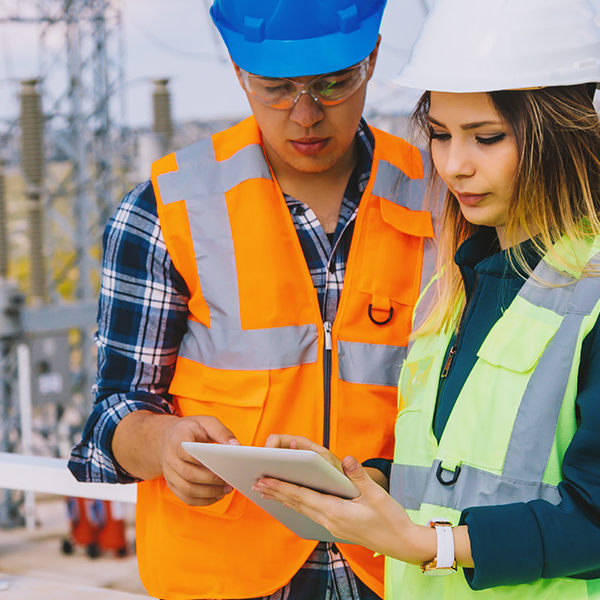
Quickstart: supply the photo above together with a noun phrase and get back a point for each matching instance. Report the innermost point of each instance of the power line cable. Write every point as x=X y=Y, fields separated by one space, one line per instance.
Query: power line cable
x=177 y=51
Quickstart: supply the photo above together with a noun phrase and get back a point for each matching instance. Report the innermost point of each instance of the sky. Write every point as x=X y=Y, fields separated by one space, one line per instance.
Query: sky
x=177 y=40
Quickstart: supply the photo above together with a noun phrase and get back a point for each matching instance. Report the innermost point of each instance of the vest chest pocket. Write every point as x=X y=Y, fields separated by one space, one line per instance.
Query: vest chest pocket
x=398 y=249
x=507 y=347
x=237 y=399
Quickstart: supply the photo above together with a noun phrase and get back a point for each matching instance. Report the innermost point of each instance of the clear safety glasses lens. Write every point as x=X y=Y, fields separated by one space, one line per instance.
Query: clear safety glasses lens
x=328 y=89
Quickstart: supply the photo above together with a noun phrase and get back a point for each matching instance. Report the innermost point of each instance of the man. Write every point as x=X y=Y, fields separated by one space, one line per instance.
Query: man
x=222 y=315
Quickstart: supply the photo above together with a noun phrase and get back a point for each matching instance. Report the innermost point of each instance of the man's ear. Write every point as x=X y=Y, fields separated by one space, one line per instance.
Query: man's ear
x=373 y=58
x=238 y=74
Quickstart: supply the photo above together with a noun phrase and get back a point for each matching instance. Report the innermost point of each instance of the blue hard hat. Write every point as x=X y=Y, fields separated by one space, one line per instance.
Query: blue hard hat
x=293 y=38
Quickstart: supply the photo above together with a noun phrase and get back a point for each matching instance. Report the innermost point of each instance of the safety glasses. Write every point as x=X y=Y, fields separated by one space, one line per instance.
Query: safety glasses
x=328 y=89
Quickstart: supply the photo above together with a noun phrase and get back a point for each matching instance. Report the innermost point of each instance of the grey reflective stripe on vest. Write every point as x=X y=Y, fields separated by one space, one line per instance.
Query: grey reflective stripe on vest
x=373 y=364
x=532 y=437
x=393 y=184
x=252 y=349
x=411 y=486
x=202 y=182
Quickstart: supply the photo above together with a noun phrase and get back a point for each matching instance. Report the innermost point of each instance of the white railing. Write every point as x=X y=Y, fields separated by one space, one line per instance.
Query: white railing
x=51 y=476
x=45 y=474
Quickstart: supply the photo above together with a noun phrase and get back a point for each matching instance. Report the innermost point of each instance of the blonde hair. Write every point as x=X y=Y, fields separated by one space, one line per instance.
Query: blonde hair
x=556 y=191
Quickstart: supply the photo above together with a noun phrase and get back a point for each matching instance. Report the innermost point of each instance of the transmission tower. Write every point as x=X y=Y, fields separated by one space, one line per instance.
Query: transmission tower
x=80 y=88
x=81 y=114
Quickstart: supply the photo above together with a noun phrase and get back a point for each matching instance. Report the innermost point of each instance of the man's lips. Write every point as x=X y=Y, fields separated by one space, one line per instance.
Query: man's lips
x=309 y=145
x=469 y=199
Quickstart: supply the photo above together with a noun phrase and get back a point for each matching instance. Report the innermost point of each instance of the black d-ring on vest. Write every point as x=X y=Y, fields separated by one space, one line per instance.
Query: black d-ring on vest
x=380 y=322
x=449 y=481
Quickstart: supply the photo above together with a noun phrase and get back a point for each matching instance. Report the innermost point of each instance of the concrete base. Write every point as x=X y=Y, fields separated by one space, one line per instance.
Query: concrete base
x=33 y=567
x=20 y=587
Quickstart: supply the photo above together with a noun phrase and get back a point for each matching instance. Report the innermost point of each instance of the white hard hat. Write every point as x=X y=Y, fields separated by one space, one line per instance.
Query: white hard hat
x=487 y=45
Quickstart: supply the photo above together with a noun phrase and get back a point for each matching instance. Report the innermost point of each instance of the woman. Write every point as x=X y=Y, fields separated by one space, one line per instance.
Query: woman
x=497 y=460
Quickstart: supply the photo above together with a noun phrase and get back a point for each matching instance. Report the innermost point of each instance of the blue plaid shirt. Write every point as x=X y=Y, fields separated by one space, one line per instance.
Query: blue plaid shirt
x=142 y=312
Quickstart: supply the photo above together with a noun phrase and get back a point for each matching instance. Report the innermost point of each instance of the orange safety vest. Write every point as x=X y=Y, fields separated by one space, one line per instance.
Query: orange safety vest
x=254 y=355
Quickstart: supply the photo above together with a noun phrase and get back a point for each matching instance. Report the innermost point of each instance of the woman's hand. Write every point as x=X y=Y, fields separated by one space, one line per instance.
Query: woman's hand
x=373 y=519
x=297 y=442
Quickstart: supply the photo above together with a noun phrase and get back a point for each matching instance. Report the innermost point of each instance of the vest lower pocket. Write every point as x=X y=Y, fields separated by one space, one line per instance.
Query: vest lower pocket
x=237 y=399
x=230 y=507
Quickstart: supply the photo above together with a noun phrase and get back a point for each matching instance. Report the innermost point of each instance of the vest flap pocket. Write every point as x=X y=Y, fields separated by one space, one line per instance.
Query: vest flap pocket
x=504 y=345
x=410 y=222
x=236 y=398
x=222 y=386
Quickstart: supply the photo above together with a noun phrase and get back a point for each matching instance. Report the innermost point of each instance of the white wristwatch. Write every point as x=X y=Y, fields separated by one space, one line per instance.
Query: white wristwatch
x=444 y=562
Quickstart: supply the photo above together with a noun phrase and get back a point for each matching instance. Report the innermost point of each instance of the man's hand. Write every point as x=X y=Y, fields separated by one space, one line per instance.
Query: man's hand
x=148 y=445
x=188 y=479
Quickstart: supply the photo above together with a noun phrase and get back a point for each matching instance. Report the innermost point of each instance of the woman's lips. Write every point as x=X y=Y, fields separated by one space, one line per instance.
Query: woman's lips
x=308 y=146
x=470 y=199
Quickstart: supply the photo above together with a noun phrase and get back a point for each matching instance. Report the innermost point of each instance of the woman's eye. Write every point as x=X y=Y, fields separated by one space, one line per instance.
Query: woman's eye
x=494 y=139
x=436 y=135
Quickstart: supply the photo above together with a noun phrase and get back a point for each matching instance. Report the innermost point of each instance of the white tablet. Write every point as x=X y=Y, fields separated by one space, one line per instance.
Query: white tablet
x=242 y=466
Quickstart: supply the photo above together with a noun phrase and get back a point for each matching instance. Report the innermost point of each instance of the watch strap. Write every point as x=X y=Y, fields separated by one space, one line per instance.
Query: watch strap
x=444 y=561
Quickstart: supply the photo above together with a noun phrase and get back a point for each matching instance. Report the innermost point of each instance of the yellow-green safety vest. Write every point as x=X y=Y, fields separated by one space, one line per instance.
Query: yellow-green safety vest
x=507 y=434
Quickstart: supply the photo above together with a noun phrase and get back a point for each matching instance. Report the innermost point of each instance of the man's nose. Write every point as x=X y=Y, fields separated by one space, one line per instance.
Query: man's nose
x=307 y=111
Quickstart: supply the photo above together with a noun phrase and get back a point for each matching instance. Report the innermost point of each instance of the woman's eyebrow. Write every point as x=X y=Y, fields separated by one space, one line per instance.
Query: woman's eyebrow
x=466 y=126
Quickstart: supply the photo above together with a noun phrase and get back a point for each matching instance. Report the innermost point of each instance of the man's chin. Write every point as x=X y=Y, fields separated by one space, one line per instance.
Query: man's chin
x=311 y=165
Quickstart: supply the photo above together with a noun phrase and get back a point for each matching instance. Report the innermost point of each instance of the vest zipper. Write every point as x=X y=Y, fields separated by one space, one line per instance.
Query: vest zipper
x=457 y=340
x=448 y=362
x=327 y=382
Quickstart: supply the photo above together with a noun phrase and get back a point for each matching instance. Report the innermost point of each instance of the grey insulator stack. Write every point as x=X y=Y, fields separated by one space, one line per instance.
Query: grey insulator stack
x=3 y=226
x=33 y=169
x=163 y=124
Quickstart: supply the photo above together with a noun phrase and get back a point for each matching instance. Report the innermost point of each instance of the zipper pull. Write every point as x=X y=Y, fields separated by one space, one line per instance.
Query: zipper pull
x=448 y=362
x=328 y=341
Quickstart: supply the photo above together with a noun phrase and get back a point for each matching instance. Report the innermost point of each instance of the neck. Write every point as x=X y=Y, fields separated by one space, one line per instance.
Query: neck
x=505 y=243
x=321 y=191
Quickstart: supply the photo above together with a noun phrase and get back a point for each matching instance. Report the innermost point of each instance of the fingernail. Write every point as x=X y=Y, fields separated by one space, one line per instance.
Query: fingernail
x=234 y=442
x=227 y=489
x=350 y=464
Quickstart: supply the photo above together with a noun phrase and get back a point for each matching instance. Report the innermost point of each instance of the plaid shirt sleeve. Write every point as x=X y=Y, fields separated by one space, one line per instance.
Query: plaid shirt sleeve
x=142 y=316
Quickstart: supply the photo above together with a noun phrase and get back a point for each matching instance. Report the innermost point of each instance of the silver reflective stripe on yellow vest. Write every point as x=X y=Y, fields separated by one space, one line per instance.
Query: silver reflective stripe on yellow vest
x=202 y=182
x=534 y=427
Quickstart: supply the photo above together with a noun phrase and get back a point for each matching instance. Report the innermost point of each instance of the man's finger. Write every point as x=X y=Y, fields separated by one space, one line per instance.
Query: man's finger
x=212 y=430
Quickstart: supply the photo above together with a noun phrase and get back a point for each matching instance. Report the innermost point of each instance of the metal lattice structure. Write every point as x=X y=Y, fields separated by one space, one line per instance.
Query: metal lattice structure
x=72 y=186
